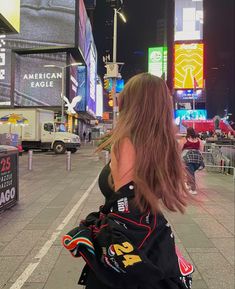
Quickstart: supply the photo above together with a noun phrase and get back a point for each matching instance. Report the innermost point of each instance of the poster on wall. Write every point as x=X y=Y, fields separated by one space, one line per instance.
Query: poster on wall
x=188 y=20
x=189 y=61
x=38 y=79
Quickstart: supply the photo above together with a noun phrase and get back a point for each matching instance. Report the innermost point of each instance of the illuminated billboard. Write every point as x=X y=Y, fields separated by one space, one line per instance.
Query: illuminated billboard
x=188 y=20
x=35 y=84
x=157 y=61
x=10 y=14
x=45 y=23
x=188 y=114
x=189 y=66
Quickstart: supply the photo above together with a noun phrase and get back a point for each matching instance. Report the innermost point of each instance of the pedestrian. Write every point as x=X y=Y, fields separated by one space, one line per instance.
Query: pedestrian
x=192 y=156
x=89 y=136
x=128 y=243
x=84 y=135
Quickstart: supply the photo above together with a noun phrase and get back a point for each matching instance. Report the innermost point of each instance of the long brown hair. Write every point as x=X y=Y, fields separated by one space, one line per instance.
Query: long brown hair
x=146 y=118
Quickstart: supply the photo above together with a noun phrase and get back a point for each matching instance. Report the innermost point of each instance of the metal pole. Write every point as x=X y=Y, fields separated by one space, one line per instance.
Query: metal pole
x=62 y=95
x=68 y=161
x=30 y=160
x=114 y=103
x=115 y=36
x=193 y=108
x=106 y=157
x=114 y=62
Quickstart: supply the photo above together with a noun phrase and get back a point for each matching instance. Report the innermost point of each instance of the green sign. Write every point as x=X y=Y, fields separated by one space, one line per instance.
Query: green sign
x=157 y=61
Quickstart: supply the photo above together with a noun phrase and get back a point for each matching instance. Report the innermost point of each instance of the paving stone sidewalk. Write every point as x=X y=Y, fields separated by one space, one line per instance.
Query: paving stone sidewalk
x=205 y=234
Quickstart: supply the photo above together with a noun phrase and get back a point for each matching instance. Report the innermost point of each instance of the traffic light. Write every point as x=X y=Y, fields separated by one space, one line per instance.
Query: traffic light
x=111 y=94
x=106 y=84
x=110 y=102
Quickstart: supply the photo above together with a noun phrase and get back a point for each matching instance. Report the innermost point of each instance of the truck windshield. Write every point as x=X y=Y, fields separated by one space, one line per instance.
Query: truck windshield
x=60 y=127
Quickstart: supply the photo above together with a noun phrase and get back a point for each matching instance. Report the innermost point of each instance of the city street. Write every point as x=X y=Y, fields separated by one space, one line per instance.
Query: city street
x=53 y=200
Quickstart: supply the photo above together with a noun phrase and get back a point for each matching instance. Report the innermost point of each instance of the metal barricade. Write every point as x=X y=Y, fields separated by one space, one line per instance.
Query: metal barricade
x=219 y=158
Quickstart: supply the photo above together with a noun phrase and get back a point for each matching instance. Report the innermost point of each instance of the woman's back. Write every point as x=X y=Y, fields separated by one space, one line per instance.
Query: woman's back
x=191 y=143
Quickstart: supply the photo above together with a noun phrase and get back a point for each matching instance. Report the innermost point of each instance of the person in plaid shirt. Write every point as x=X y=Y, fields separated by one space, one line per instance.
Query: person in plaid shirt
x=192 y=157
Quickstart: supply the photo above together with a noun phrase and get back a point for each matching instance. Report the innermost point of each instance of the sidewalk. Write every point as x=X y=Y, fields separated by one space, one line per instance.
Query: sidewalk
x=52 y=201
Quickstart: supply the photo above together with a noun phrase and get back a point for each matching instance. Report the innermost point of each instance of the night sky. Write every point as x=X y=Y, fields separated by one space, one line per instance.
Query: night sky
x=139 y=33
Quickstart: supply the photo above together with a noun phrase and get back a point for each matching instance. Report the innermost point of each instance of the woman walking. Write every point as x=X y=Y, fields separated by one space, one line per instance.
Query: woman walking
x=192 y=157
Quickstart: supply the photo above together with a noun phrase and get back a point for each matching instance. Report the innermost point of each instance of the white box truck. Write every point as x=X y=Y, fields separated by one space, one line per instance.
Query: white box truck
x=41 y=132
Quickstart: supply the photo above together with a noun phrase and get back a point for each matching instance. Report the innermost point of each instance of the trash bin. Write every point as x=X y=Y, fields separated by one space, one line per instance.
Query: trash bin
x=9 y=177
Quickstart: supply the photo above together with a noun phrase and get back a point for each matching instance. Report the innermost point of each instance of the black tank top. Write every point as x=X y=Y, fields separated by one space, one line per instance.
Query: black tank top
x=103 y=182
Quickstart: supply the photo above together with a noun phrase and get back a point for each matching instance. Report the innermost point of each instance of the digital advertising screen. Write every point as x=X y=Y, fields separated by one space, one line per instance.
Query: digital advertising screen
x=73 y=83
x=188 y=114
x=35 y=84
x=85 y=36
x=44 y=23
x=5 y=72
x=157 y=61
x=188 y=20
x=10 y=12
x=189 y=62
x=81 y=88
x=119 y=85
x=190 y=94
x=91 y=81
x=99 y=98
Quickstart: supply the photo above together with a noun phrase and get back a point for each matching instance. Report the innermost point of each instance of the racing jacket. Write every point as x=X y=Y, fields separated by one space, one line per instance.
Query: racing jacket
x=126 y=248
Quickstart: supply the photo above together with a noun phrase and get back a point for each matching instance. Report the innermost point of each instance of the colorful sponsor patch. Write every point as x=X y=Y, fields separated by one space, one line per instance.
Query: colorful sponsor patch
x=185 y=267
x=111 y=251
x=123 y=205
x=72 y=244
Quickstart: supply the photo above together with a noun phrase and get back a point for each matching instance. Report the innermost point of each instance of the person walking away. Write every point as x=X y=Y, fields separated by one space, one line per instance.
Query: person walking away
x=89 y=136
x=128 y=243
x=84 y=135
x=192 y=157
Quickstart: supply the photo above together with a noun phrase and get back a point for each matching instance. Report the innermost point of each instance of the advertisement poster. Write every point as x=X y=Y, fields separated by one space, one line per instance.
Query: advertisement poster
x=57 y=26
x=10 y=11
x=8 y=180
x=188 y=20
x=35 y=84
x=81 y=88
x=189 y=61
x=188 y=114
x=57 y=29
x=157 y=61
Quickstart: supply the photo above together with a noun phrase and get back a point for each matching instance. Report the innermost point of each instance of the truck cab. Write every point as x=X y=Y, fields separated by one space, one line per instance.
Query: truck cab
x=55 y=138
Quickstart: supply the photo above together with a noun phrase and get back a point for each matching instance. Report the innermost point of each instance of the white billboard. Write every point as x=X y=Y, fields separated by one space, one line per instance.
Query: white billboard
x=188 y=20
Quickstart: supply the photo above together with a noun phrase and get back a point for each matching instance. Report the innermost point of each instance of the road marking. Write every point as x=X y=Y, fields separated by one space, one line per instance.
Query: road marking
x=46 y=247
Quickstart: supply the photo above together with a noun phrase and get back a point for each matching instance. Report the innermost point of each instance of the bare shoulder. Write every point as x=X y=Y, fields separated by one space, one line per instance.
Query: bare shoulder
x=122 y=162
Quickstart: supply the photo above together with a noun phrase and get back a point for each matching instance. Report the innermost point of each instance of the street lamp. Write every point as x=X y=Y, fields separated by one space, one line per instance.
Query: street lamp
x=63 y=83
x=116 y=12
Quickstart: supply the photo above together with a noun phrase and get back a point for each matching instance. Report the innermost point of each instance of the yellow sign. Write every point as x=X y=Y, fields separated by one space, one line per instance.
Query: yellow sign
x=10 y=10
x=189 y=66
